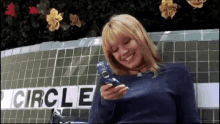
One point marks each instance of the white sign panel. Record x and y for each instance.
(49, 97)
(6, 98)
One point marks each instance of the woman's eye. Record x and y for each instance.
(115, 50)
(127, 42)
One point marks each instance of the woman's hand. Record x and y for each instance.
(113, 93)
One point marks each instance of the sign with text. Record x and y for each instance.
(48, 97)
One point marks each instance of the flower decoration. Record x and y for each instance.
(11, 10)
(168, 8)
(196, 3)
(34, 10)
(75, 20)
(53, 19)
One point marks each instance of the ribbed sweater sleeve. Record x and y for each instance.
(187, 111)
(101, 110)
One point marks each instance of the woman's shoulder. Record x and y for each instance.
(177, 67)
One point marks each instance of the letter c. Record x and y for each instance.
(17, 105)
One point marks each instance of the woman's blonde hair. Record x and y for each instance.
(126, 25)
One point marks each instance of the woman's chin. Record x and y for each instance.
(132, 67)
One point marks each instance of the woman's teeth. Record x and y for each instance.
(129, 58)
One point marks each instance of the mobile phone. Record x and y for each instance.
(106, 73)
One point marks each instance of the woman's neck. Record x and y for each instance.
(143, 69)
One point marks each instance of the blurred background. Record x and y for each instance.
(28, 29)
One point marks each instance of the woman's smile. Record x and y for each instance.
(130, 58)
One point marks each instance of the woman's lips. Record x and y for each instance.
(129, 58)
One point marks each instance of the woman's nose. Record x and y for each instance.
(123, 51)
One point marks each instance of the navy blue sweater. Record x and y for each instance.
(167, 98)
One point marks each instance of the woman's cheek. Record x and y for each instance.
(116, 57)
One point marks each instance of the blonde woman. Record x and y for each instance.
(151, 92)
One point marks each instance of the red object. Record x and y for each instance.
(33, 10)
(11, 10)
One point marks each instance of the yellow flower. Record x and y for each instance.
(196, 3)
(75, 20)
(168, 8)
(53, 19)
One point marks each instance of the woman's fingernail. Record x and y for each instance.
(120, 86)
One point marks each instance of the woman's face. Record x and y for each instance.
(127, 52)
